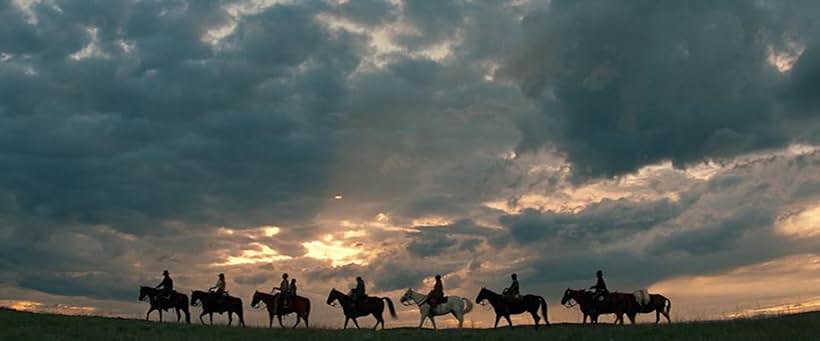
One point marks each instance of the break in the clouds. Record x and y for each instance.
(661, 141)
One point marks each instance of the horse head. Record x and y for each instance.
(334, 295)
(257, 297)
(144, 293)
(196, 297)
(484, 294)
(407, 297)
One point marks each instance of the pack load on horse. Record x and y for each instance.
(513, 293)
(298, 305)
(617, 303)
(436, 296)
(358, 304)
(163, 297)
(504, 306)
(217, 300)
(458, 306)
(641, 296)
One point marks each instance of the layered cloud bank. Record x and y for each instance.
(665, 143)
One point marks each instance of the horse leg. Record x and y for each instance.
(497, 318)
(212, 318)
(460, 319)
(148, 313)
(347, 319)
(585, 319)
(160, 314)
(200, 317)
(297, 320)
(179, 317)
(307, 325)
(270, 322)
(355, 323)
(535, 317)
(230, 318)
(509, 322)
(279, 317)
(423, 317)
(433, 320)
(657, 316)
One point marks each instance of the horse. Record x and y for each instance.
(211, 304)
(658, 304)
(178, 301)
(617, 303)
(528, 303)
(458, 306)
(370, 305)
(297, 304)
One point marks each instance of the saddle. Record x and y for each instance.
(513, 298)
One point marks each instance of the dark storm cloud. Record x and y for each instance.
(626, 84)
(599, 222)
(726, 222)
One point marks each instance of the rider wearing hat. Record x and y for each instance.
(166, 287)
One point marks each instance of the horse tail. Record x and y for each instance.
(469, 304)
(390, 307)
(307, 307)
(186, 309)
(668, 306)
(544, 310)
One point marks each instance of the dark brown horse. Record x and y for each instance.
(370, 305)
(615, 303)
(211, 303)
(528, 304)
(178, 302)
(658, 304)
(296, 304)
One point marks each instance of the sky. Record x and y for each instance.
(673, 145)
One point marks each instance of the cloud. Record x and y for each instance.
(624, 85)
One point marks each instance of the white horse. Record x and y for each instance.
(458, 306)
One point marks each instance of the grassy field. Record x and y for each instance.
(28, 326)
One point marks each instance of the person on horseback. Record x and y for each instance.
(284, 291)
(358, 293)
(599, 289)
(219, 288)
(436, 295)
(166, 287)
(512, 293)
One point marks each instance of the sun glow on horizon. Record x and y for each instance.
(259, 253)
(333, 250)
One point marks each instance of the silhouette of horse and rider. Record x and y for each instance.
(436, 304)
(599, 301)
(283, 303)
(510, 302)
(163, 297)
(357, 303)
(283, 300)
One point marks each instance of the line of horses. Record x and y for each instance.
(616, 303)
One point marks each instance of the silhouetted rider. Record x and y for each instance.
(284, 291)
(599, 289)
(436, 295)
(166, 287)
(220, 286)
(513, 291)
(358, 293)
